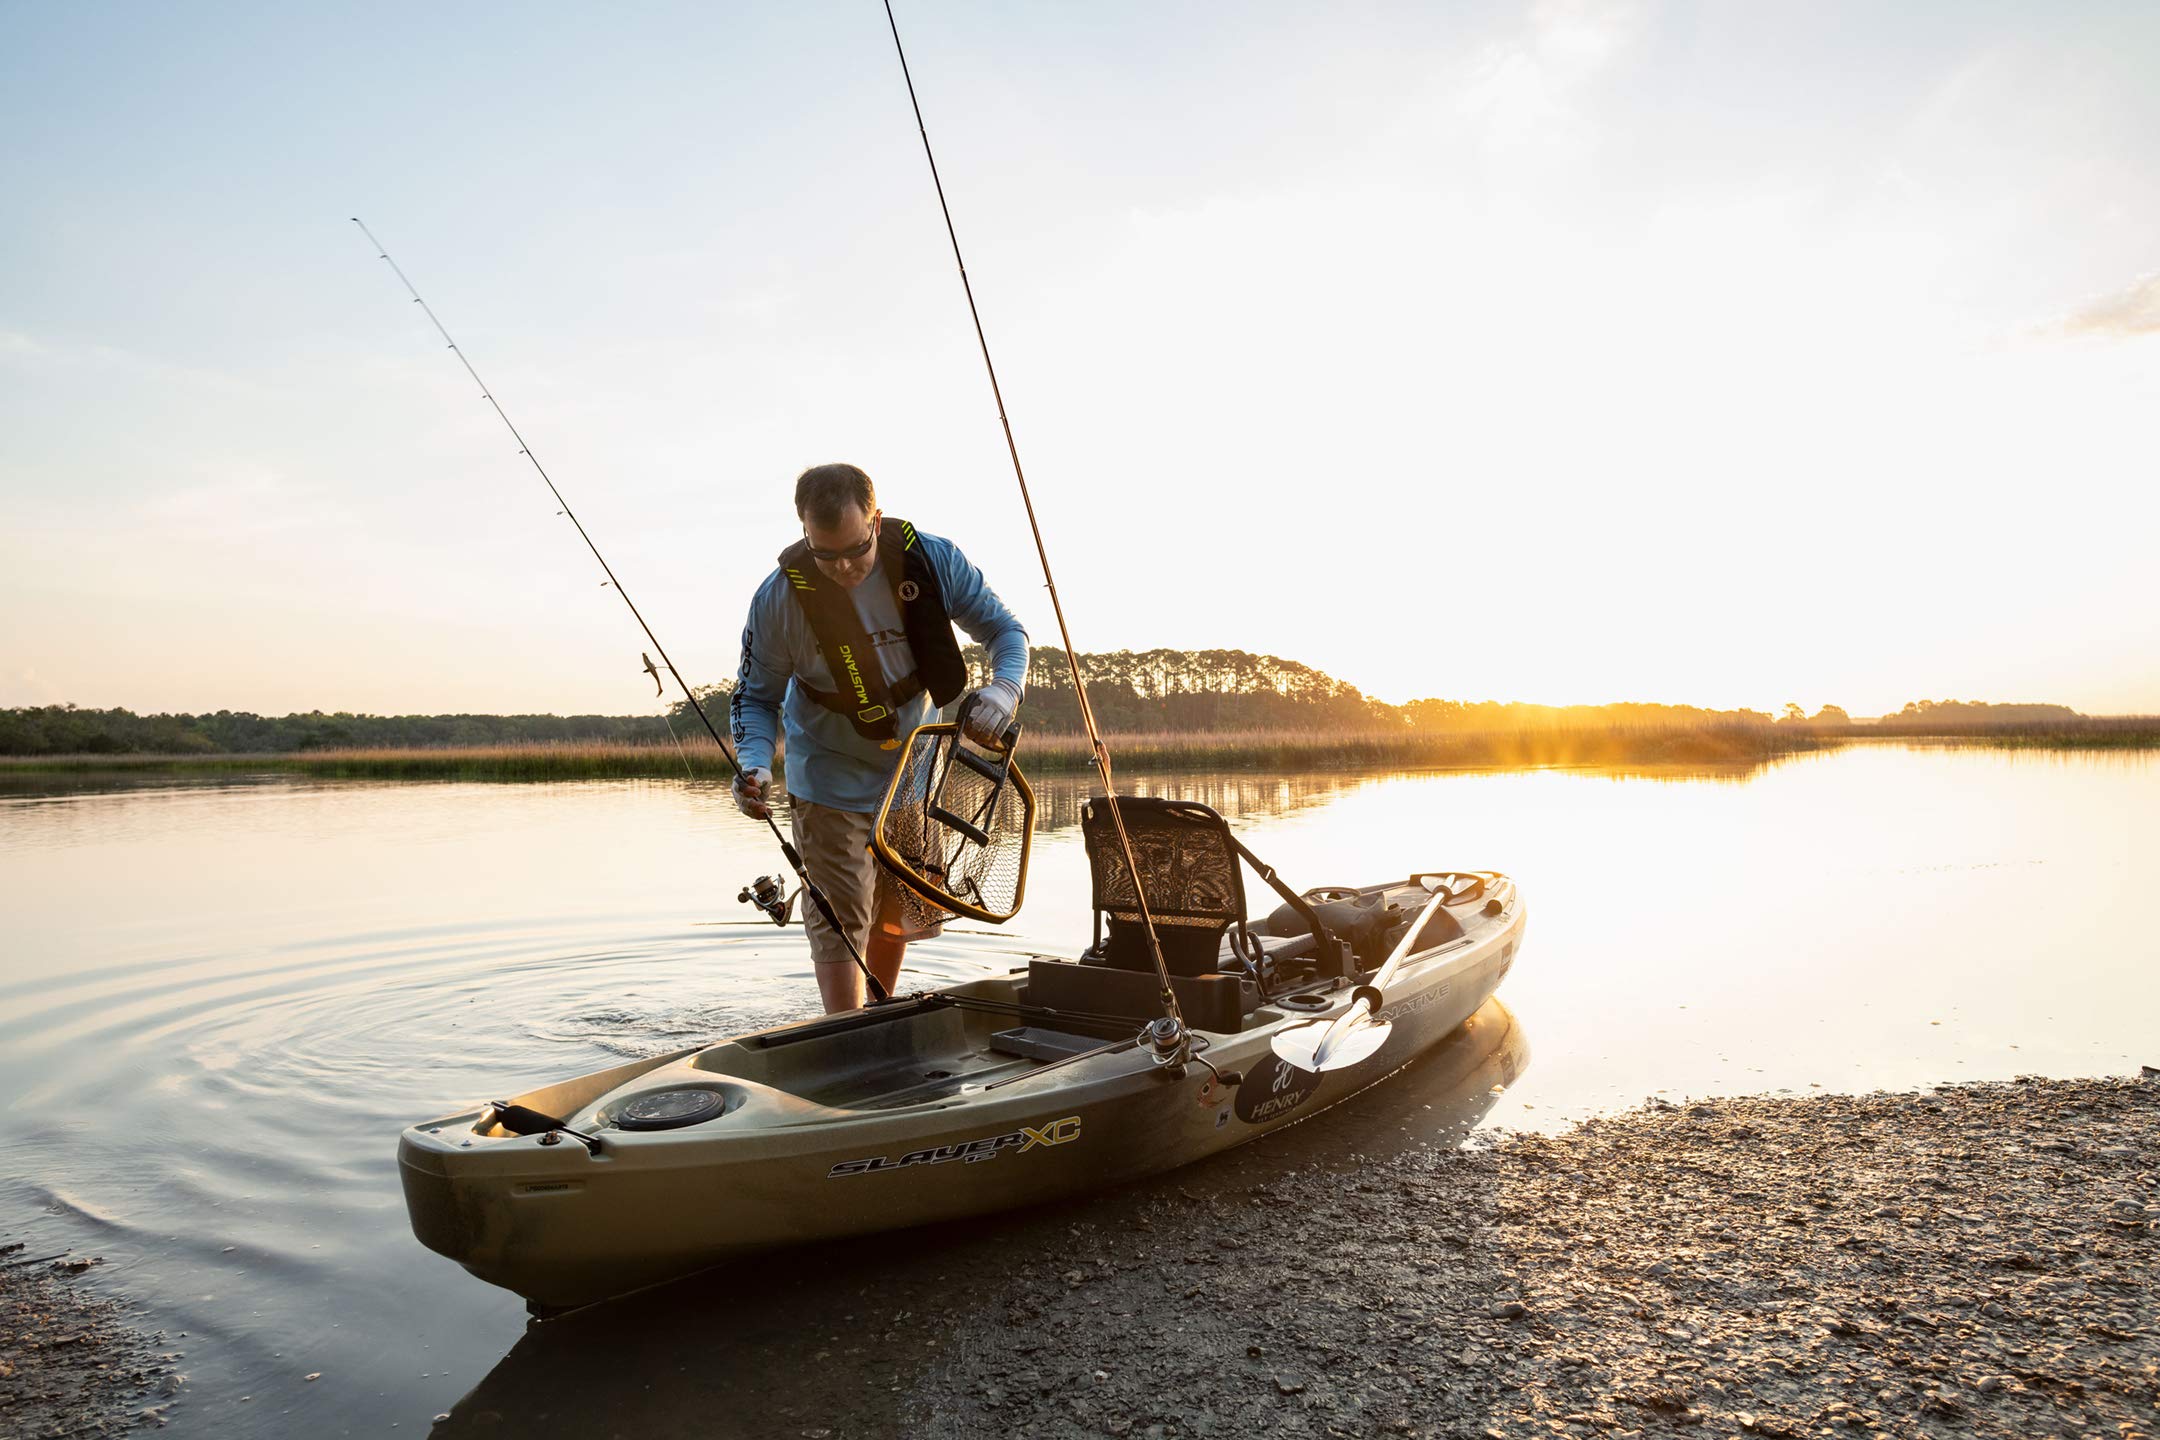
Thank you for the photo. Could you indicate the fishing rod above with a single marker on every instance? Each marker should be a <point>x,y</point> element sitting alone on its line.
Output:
<point>878,993</point>
<point>1172,1044</point>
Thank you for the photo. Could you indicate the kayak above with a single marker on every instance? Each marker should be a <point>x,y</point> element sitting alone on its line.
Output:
<point>1006,1091</point>
<point>929,1108</point>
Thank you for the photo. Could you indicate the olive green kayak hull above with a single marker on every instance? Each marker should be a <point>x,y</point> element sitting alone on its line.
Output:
<point>902,1115</point>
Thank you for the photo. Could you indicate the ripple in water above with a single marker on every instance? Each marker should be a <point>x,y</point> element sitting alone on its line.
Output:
<point>222,1128</point>
<point>220,1003</point>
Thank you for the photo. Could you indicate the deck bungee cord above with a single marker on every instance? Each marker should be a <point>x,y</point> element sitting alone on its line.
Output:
<point>1167,1039</point>
<point>878,993</point>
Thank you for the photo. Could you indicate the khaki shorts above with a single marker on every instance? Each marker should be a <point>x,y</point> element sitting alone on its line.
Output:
<point>835,846</point>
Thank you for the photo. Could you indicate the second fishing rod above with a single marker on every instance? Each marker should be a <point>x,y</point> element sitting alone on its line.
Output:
<point>1168,1038</point>
<point>878,992</point>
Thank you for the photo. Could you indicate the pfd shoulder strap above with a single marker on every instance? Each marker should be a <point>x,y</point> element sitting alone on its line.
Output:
<point>864,696</point>
<point>929,626</point>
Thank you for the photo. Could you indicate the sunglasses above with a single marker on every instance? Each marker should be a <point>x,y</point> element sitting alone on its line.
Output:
<point>852,552</point>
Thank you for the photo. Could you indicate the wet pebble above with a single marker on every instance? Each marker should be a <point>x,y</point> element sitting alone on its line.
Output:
<point>1764,1267</point>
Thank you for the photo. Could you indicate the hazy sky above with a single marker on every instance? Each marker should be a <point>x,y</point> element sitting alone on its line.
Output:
<point>1718,353</point>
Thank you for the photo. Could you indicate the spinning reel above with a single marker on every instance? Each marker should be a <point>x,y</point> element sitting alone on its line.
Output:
<point>770,894</point>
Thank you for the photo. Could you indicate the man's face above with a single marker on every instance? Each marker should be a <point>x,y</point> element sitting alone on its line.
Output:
<point>851,532</point>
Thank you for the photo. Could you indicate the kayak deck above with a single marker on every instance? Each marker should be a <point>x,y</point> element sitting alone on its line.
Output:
<point>938,1058</point>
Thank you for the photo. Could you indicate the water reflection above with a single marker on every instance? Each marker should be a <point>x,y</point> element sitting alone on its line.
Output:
<point>727,1353</point>
<point>221,999</point>
<point>1237,796</point>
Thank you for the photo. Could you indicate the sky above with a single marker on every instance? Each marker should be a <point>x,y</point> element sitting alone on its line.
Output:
<point>1565,352</point>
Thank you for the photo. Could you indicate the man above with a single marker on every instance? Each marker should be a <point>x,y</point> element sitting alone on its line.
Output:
<point>848,648</point>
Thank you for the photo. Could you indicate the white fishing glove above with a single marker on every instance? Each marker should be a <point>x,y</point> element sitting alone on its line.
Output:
<point>752,789</point>
<point>992,712</point>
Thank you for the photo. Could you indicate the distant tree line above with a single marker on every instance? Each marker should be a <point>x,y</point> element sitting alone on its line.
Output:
<point>1146,690</point>
<point>1937,716</point>
<point>1133,691</point>
<point>1960,714</point>
<point>1141,690</point>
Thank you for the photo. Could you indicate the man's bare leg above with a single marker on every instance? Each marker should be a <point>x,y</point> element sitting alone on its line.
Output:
<point>884,955</point>
<point>840,986</point>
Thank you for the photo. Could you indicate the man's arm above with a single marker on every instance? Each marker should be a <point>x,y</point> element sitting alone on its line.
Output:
<point>760,685</point>
<point>976,609</point>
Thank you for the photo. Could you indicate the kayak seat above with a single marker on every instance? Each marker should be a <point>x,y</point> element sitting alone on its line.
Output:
<point>1189,872</point>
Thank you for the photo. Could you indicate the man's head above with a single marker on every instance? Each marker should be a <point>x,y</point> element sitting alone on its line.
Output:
<point>838,508</point>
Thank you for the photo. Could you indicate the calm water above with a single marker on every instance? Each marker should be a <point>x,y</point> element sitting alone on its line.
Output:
<point>219,1002</point>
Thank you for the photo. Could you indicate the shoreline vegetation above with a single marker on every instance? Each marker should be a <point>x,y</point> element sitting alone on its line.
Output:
<point>1144,753</point>
<point>1159,709</point>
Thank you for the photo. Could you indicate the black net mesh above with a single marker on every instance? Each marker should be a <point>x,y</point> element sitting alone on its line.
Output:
<point>1184,856</point>
<point>956,837</point>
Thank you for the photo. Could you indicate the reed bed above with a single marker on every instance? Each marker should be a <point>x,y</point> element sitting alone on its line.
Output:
<point>1045,754</point>
<point>2095,732</point>
<point>1352,750</point>
<point>1161,751</point>
<point>552,760</point>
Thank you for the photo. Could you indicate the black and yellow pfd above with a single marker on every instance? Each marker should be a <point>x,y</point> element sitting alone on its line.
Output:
<point>864,697</point>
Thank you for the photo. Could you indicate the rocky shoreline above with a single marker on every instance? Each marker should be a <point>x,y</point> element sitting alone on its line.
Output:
<point>1977,1260</point>
<point>73,1363</point>
<point>1973,1260</point>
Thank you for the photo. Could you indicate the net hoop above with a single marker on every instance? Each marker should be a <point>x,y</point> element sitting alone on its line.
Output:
<point>908,872</point>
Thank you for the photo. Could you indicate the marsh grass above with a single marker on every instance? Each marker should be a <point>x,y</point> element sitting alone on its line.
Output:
<point>1160,751</point>
<point>1362,749</point>
<point>1042,754</point>
<point>551,760</point>
<point>2094,732</point>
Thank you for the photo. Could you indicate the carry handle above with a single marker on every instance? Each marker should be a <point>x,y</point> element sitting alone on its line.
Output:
<point>968,828</point>
<point>1005,743</point>
<point>991,770</point>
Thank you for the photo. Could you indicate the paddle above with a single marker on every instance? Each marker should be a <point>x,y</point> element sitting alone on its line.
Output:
<point>1359,1031</point>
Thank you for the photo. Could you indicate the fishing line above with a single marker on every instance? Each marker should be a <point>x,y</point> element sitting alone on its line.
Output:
<point>660,693</point>
<point>1072,660</point>
<point>787,847</point>
<point>688,769</point>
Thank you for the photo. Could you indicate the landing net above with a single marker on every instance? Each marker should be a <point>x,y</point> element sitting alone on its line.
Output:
<point>955,830</point>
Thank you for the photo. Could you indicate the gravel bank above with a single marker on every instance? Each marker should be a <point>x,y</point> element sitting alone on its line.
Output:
<point>70,1363</point>
<point>1978,1260</point>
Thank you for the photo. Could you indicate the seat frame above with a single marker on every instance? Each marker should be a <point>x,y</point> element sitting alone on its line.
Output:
<point>1105,856</point>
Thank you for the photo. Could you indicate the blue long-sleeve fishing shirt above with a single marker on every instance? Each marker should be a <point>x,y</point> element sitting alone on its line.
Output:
<point>828,759</point>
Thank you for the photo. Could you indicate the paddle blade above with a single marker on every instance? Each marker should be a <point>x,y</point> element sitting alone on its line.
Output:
<point>1331,1045</point>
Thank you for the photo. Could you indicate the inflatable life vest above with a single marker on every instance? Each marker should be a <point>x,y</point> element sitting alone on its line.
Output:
<point>865,697</point>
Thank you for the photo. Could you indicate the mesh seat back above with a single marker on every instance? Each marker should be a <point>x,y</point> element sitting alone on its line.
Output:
<point>1189,869</point>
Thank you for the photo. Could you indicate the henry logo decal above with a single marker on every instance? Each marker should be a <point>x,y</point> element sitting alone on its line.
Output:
<point>1273,1089</point>
<point>989,1147</point>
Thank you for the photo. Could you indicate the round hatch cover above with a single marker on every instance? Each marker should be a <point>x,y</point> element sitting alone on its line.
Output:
<point>669,1109</point>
